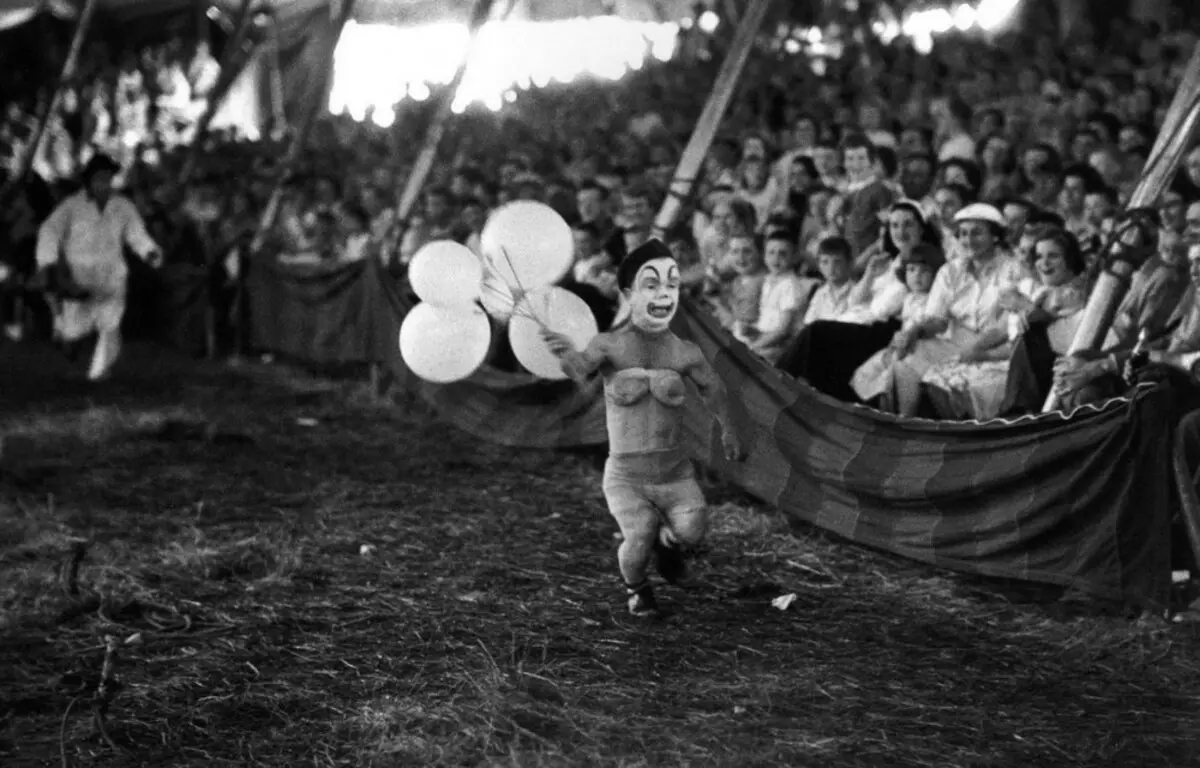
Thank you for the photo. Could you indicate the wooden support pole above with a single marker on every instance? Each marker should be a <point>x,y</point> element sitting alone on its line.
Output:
<point>380,379</point>
<point>231,59</point>
<point>692,160</point>
<point>289,162</point>
<point>200,20</point>
<point>301,138</point>
<point>437,127</point>
<point>279,119</point>
<point>82,27</point>
<point>1172,144</point>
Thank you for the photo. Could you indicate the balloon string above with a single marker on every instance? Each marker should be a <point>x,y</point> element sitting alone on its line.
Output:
<point>524,313</point>
<point>532,315</point>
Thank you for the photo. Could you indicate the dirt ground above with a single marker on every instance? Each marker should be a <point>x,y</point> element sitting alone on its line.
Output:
<point>206,566</point>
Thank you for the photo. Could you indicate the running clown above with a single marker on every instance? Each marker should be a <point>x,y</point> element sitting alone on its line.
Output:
<point>649,482</point>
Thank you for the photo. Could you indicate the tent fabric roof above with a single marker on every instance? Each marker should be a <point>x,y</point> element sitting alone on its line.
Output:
<point>398,12</point>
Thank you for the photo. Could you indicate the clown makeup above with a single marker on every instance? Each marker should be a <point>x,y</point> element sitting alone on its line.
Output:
<point>654,296</point>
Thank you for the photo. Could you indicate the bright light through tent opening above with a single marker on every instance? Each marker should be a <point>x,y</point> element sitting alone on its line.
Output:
<point>989,16</point>
<point>379,66</point>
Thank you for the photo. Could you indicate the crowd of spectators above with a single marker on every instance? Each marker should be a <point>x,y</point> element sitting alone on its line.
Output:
<point>901,229</point>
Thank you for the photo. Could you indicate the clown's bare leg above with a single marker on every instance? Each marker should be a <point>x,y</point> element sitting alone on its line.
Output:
<point>660,509</point>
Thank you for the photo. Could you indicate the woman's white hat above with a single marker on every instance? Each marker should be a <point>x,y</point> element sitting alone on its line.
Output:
<point>981,212</point>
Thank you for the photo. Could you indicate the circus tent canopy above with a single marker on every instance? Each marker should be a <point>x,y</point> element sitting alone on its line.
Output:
<point>398,12</point>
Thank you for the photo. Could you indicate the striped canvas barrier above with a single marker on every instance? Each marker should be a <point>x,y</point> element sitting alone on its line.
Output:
<point>1079,500</point>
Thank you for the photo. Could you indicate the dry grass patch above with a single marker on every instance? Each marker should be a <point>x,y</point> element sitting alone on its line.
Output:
<point>363,586</point>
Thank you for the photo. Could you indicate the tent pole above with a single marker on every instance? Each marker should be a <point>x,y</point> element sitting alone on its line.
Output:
<point>692,160</point>
<point>278,113</point>
<point>82,27</point>
<point>289,162</point>
<point>1173,142</point>
<point>200,18</point>
<point>300,139</point>
<point>437,126</point>
<point>380,378</point>
<point>230,68</point>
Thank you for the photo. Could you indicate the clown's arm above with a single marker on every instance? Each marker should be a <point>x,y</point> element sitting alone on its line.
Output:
<point>715,397</point>
<point>579,365</point>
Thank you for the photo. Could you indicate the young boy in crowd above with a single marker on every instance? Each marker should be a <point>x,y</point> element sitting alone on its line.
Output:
<point>745,289</point>
<point>832,299</point>
<point>784,299</point>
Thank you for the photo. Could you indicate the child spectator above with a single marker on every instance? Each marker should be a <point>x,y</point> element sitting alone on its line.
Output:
<point>832,299</point>
<point>682,245</point>
<point>784,299</point>
<point>874,378</point>
<point>745,289</point>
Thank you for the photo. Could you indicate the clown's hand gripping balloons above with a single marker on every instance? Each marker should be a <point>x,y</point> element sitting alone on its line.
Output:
<point>649,482</point>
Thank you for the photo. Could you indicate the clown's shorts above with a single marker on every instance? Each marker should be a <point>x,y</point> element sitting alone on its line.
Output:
<point>645,490</point>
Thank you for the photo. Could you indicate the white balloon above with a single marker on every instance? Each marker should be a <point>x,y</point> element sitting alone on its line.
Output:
<point>562,312</point>
<point>527,244</point>
<point>445,273</point>
<point>445,344</point>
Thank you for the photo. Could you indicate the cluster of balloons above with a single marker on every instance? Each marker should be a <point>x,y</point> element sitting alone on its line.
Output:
<point>527,248</point>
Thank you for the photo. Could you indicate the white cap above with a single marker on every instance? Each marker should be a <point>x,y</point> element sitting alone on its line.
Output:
<point>981,212</point>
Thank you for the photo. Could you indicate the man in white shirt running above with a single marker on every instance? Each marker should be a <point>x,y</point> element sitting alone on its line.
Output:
<point>85,236</point>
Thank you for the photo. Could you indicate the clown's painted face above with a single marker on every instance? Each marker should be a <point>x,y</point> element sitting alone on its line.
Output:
<point>654,295</point>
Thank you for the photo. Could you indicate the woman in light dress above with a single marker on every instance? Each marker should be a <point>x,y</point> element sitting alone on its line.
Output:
<point>964,308</point>
<point>974,385</point>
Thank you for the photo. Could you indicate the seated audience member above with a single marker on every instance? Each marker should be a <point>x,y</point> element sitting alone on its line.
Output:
<point>832,299</point>
<point>356,234</point>
<point>827,353</point>
<point>1017,213</point>
<point>917,268</point>
<point>878,294</point>
<point>1172,326</point>
<point>682,245</point>
<point>866,196</point>
<point>589,257</point>
<point>816,227</point>
<point>784,299</point>
<point>975,384</point>
<point>963,305</point>
<point>738,307</point>
<point>948,200</point>
<point>738,219</point>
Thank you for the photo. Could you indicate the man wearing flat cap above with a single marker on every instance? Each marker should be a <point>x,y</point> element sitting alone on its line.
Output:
<point>85,237</point>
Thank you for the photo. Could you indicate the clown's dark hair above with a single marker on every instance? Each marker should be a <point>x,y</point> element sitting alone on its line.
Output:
<point>649,251</point>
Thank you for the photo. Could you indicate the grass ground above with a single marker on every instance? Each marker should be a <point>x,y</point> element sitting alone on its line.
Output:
<point>207,567</point>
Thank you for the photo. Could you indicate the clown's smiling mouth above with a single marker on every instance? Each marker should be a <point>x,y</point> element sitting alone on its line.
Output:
<point>660,311</point>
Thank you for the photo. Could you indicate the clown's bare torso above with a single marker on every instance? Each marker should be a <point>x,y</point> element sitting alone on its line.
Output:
<point>644,386</point>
